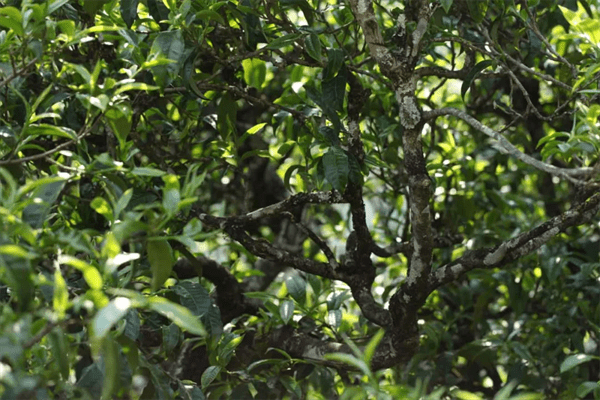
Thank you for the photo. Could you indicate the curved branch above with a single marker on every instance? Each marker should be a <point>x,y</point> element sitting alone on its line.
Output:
<point>287,205</point>
<point>568,173</point>
<point>512,249</point>
<point>370,308</point>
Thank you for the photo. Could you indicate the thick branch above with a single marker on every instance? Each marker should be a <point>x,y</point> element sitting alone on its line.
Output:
<point>517,247</point>
<point>370,308</point>
<point>230,298</point>
<point>405,247</point>
<point>364,14</point>
<point>285,206</point>
<point>262,248</point>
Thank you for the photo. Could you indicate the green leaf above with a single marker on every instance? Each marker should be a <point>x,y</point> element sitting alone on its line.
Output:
<point>284,40</point>
<point>129,11</point>
<point>355,175</point>
<point>288,174</point>
<point>91,378</point>
<point>158,10</point>
<point>110,247</point>
<point>226,116</point>
<point>446,4</point>
<point>212,320</point>
<point>194,297</point>
<point>256,128</point>
<point>19,279</point>
<point>123,202</point>
<point>350,360</point>
<point>472,74</point>
<point>168,45</point>
<point>92,6</point>
<point>161,259</point>
<point>464,395</point>
<point>90,273</point>
<point>112,367</point>
<point>334,318</point>
<point>102,207</point>
<point>210,15</point>
<point>574,360</point>
<point>553,137</point>
<point>109,315</point>
<point>335,59</point>
<point>15,251</point>
<point>146,171</point>
<point>132,325</point>
<point>181,316</point>
<point>306,8</point>
<point>291,385</point>
<point>134,86</point>
<point>209,375</point>
<point>504,393</point>
<point>119,118</point>
<point>477,9</point>
<point>372,346</point>
<point>335,163</point>
<point>255,72</point>
<point>60,351</point>
<point>55,5</point>
<point>13,19</point>
<point>312,43</point>
<point>286,311</point>
<point>60,300</point>
<point>35,214</point>
<point>334,90</point>
<point>296,287</point>
<point>572,17</point>
<point>586,387</point>
<point>101,101</point>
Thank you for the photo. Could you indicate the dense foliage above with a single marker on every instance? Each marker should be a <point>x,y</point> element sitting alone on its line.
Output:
<point>300,199</point>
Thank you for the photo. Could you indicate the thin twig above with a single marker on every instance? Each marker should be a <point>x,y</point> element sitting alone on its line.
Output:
<point>18,73</point>
<point>80,136</point>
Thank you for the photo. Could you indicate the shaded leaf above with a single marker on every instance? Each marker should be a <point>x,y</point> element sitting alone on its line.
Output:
<point>284,40</point>
<point>446,4</point>
<point>296,287</point>
<point>194,296</point>
<point>472,74</point>
<point>335,59</point>
<point>35,214</point>
<point>209,375</point>
<point>335,163</point>
<point>129,11</point>
<point>313,46</point>
<point>334,90</point>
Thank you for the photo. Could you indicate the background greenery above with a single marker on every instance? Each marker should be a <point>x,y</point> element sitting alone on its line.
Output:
<point>136,136</point>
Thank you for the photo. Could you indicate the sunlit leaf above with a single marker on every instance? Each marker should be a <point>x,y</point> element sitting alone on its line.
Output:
<point>180,315</point>
<point>574,360</point>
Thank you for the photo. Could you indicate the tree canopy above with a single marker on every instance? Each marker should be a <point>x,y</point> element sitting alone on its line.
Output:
<point>299,199</point>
